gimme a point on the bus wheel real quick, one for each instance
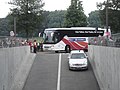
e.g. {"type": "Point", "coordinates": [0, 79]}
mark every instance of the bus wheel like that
{"type": "Point", "coordinates": [67, 49]}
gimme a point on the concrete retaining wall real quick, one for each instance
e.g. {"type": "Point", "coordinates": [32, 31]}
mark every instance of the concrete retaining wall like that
{"type": "Point", "coordinates": [11, 60]}
{"type": "Point", "coordinates": [105, 62]}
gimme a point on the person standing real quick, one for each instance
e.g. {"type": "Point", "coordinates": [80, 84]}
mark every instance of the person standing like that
{"type": "Point", "coordinates": [35, 46]}
{"type": "Point", "coordinates": [30, 44]}
{"type": "Point", "coordinates": [38, 46]}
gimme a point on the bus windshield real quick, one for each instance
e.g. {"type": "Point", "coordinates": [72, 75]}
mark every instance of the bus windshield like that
{"type": "Point", "coordinates": [51, 37]}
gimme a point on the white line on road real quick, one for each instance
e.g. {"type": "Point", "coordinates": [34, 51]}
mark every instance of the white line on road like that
{"type": "Point", "coordinates": [59, 72]}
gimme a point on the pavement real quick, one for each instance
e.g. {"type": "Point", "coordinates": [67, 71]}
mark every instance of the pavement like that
{"type": "Point", "coordinates": [50, 71]}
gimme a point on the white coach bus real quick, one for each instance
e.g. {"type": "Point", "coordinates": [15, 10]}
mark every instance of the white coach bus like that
{"type": "Point", "coordinates": [67, 39]}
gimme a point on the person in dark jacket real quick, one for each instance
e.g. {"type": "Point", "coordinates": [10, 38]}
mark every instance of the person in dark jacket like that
{"type": "Point", "coordinates": [35, 46]}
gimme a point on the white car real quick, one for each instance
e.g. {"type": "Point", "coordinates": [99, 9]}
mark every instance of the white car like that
{"type": "Point", "coordinates": [78, 60]}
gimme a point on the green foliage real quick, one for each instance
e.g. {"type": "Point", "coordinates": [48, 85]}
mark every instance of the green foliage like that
{"type": "Point", "coordinates": [28, 14]}
{"type": "Point", "coordinates": [94, 19]}
{"type": "Point", "coordinates": [54, 18]}
{"type": "Point", "coordinates": [113, 14]}
{"type": "Point", "coordinates": [4, 27]}
{"type": "Point", "coordinates": [49, 20]}
{"type": "Point", "coordinates": [75, 16]}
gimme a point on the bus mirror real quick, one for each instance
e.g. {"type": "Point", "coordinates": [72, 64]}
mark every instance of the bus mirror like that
{"type": "Point", "coordinates": [43, 35]}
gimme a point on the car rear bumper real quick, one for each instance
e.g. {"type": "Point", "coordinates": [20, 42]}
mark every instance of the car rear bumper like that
{"type": "Point", "coordinates": [78, 68]}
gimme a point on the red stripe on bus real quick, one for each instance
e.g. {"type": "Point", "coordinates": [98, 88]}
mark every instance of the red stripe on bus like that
{"type": "Point", "coordinates": [73, 45]}
{"type": "Point", "coordinates": [67, 42]}
{"type": "Point", "coordinates": [83, 44]}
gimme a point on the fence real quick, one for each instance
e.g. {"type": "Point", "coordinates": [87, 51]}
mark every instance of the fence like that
{"type": "Point", "coordinates": [6, 41]}
{"type": "Point", "coordinates": [113, 41]}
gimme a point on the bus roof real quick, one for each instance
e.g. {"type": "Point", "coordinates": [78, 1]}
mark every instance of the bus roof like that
{"type": "Point", "coordinates": [74, 28]}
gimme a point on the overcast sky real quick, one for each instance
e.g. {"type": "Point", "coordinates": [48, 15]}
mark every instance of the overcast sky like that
{"type": "Point", "coordinates": [51, 5]}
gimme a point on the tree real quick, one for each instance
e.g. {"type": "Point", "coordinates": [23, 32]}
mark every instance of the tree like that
{"type": "Point", "coordinates": [94, 19]}
{"type": "Point", "coordinates": [75, 16]}
{"type": "Point", "coordinates": [28, 14]}
{"type": "Point", "coordinates": [54, 19]}
{"type": "Point", "coordinates": [113, 14]}
{"type": "Point", "coordinates": [4, 27]}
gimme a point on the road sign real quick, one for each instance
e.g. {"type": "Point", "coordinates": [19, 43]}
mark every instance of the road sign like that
{"type": "Point", "coordinates": [12, 33]}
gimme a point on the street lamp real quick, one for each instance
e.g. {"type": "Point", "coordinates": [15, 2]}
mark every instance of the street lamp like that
{"type": "Point", "coordinates": [107, 17]}
{"type": "Point", "coordinates": [15, 26]}
{"type": "Point", "coordinates": [15, 13]}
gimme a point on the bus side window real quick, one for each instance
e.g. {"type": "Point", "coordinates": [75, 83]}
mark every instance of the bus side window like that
{"type": "Point", "coordinates": [54, 38]}
{"type": "Point", "coordinates": [46, 38]}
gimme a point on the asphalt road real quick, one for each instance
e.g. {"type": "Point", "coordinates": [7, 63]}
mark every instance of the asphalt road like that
{"type": "Point", "coordinates": [50, 72]}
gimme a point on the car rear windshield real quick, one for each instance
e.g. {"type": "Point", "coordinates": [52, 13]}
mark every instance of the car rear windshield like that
{"type": "Point", "coordinates": [77, 56]}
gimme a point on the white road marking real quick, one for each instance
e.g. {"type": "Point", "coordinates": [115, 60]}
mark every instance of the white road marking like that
{"type": "Point", "coordinates": [59, 72]}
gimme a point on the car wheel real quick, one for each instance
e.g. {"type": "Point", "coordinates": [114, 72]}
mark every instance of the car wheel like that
{"type": "Point", "coordinates": [69, 68]}
{"type": "Point", "coordinates": [87, 68]}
